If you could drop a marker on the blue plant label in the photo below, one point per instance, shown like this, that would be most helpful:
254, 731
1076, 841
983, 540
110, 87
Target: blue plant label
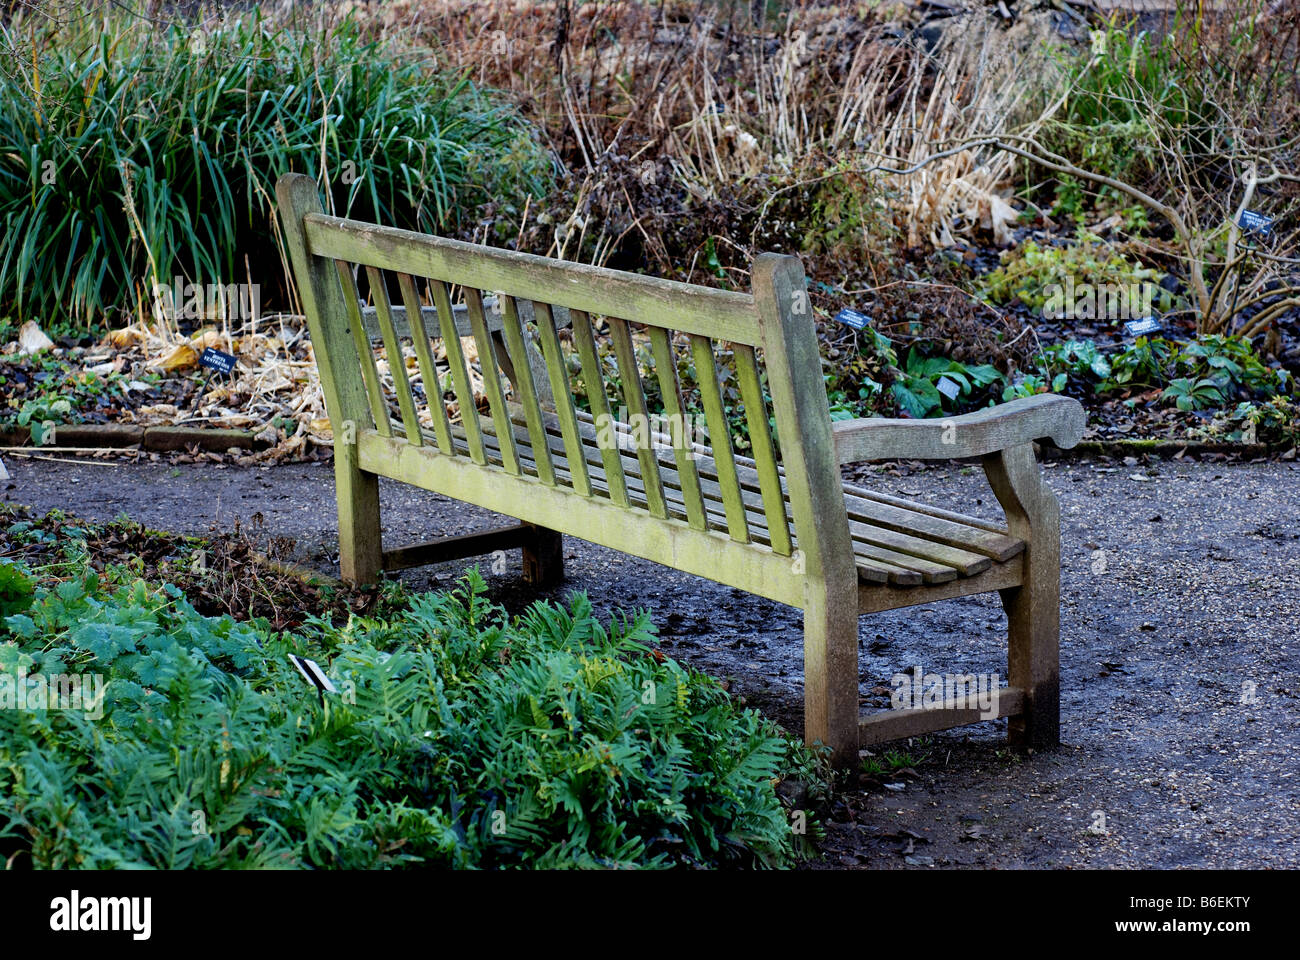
313, 674
949, 388
1143, 327
851, 318
1253, 222
218, 361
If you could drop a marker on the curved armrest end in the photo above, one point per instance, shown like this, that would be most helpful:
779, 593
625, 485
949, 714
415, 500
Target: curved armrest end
1060, 419
1068, 430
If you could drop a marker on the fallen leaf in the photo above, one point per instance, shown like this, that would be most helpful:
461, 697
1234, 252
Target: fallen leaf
182, 357
999, 217
32, 339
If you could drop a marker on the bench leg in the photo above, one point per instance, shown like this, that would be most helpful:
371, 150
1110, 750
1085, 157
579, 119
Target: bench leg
1034, 608
360, 548
1033, 662
543, 557
830, 664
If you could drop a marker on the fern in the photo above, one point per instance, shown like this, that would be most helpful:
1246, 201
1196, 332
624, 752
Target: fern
459, 737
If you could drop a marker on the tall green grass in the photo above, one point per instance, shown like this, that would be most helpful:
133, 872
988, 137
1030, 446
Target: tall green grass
130, 153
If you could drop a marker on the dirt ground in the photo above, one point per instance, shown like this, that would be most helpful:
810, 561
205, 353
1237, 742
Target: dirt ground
1180, 666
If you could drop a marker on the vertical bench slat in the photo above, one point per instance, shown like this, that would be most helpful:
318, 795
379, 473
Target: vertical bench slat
396, 361
666, 370
487, 359
369, 372
460, 381
428, 369
526, 388
638, 414
591, 375
760, 436
562, 396
706, 373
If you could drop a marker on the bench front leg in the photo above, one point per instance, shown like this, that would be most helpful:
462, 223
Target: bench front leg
1033, 608
360, 548
830, 666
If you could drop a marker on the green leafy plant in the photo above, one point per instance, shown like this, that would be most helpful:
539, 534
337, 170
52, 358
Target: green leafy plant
1070, 199
130, 155
41, 417
17, 590
1078, 357
1189, 394
917, 390
457, 737
1276, 421
1031, 385
1143, 364
1042, 278
1232, 364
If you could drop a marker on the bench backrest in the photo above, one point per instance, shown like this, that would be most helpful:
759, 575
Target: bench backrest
737, 501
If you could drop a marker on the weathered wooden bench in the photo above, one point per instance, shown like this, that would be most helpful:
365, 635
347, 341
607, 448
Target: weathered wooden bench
786, 528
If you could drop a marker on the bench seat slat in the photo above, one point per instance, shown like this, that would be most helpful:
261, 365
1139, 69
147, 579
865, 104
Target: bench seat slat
634, 398
670, 389
760, 436
952, 529
562, 396
723, 461
585, 341
526, 387
949, 531
369, 372
896, 568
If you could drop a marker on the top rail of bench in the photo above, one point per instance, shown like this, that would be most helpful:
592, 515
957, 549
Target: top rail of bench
718, 314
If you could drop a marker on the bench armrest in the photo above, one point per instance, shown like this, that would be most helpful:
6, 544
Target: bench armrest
969, 435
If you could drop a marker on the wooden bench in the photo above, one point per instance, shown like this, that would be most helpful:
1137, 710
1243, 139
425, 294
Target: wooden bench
786, 528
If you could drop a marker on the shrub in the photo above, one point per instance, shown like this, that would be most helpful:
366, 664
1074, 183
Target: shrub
458, 737
1209, 84
1057, 281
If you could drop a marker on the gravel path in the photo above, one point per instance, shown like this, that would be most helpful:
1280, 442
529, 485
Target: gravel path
1180, 663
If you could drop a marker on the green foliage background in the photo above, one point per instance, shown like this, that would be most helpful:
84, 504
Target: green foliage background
130, 154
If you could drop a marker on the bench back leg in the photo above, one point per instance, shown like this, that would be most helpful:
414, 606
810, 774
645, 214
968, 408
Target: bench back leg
543, 557
360, 547
1033, 609
339, 365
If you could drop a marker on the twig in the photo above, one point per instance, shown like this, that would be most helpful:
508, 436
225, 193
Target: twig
15, 452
